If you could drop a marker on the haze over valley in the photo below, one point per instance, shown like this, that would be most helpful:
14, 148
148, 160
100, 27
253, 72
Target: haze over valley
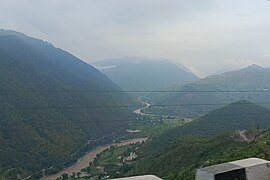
110, 89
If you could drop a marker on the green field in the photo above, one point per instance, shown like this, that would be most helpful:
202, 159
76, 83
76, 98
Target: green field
152, 126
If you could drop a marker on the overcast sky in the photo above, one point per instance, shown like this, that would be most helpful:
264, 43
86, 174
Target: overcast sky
207, 36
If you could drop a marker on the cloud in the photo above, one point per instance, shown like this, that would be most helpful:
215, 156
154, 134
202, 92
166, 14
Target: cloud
201, 34
104, 67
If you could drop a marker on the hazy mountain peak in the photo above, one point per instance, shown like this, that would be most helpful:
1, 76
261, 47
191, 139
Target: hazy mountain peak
30, 40
242, 102
251, 78
255, 67
134, 73
9, 32
249, 70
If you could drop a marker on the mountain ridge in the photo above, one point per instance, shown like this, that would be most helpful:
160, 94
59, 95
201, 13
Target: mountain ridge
133, 73
39, 127
248, 83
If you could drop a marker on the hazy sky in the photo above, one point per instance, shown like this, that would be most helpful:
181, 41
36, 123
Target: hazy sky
207, 36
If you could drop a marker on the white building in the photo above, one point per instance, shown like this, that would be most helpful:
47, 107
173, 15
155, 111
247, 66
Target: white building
246, 169
131, 157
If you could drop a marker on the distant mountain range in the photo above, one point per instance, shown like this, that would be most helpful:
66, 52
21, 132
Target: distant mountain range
138, 74
48, 103
251, 83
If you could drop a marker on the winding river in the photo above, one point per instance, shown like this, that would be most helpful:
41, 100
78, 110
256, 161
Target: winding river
90, 156
139, 111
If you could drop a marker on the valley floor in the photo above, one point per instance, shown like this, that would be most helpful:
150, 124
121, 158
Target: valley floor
90, 157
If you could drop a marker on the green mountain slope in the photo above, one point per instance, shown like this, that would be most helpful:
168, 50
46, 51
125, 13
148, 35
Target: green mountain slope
236, 116
181, 159
177, 153
42, 120
144, 75
253, 78
239, 115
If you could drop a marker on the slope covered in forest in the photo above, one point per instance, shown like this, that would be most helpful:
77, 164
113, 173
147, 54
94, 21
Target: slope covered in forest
51, 103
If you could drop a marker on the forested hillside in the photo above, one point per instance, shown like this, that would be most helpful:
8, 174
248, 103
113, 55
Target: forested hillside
178, 152
51, 104
181, 159
239, 115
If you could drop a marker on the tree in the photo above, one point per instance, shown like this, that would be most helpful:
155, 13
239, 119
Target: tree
65, 176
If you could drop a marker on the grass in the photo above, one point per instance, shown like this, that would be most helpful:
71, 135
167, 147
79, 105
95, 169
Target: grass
152, 126
112, 156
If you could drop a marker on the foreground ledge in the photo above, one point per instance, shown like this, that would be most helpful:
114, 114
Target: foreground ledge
246, 169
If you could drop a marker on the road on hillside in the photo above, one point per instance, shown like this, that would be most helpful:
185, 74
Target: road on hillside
243, 136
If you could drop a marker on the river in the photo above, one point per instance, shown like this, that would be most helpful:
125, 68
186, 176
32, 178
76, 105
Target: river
139, 111
90, 156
